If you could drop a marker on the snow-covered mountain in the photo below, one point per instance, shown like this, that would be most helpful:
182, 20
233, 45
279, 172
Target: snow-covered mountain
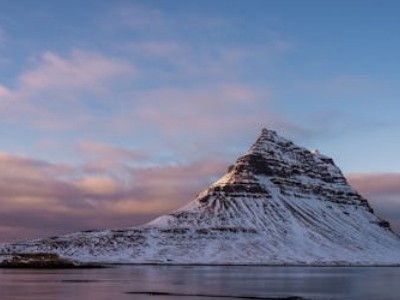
279, 204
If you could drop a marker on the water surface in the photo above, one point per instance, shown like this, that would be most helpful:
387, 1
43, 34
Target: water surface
128, 282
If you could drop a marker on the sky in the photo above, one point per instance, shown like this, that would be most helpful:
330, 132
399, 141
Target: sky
115, 112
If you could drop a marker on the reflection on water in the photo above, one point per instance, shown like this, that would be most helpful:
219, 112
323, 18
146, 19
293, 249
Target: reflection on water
127, 282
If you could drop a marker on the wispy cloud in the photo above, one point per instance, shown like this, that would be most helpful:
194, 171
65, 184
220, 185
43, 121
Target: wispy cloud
153, 21
103, 158
223, 106
101, 150
209, 119
159, 60
202, 54
376, 183
65, 198
82, 70
63, 76
4, 92
48, 94
99, 186
383, 192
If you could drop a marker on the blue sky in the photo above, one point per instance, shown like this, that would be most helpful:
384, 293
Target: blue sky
96, 94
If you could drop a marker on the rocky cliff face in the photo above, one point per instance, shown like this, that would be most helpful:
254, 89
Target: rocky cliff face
278, 204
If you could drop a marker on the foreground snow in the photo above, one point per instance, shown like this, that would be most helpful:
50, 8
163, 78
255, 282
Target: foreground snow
279, 204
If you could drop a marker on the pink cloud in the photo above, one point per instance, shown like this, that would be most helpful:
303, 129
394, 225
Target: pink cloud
383, 193
63, 76
4, 92
99, 185
22, 166
100, 150
82, 70
104, 158
376, 183
206, 118
223, 106
38, 195
47, 95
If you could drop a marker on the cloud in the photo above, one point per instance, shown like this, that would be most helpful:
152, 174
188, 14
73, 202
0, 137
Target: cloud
383, 192
211, 119
100, 150
99, 185
38, 195
4, 92
205, 53
25, 167
82, 70
178, 111
57, 89
146, 20
376, 183
180, 60
153, 56
62, 78
103, 158
200, 90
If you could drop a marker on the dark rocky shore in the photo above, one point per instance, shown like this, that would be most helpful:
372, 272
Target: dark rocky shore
42, 260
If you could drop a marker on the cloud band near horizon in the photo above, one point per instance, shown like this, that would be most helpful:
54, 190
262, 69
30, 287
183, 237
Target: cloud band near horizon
40, 198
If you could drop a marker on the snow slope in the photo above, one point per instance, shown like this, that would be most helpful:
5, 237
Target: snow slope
279, 204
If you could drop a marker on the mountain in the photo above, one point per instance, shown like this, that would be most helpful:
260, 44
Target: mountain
278, 204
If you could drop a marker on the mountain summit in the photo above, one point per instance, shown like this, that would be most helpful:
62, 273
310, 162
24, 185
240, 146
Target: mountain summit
278, 204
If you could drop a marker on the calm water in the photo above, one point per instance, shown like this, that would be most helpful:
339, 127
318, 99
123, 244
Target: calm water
116, 283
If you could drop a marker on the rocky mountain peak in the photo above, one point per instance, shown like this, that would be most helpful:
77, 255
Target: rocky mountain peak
269, 139
268, 134
274, 163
